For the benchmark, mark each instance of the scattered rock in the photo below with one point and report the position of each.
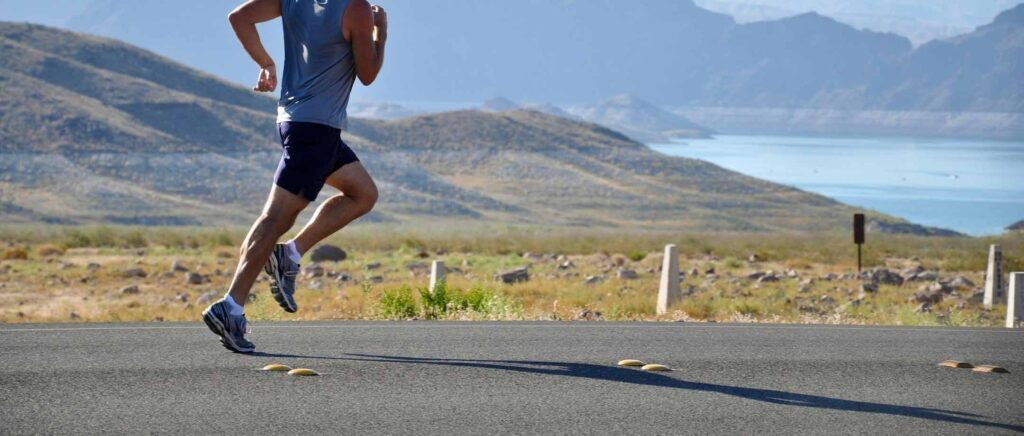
(181, 297)
(628, 274)
(753, 258)
(195, 278)
(939, 287)
(710, 271)
(92, 266)
(130, 290)
(827, 299)
(923, 308)
(533, 256)
(344, 278)
(567, 265)
(807, 282)
(314, 285)
(415, 267)
(792, 274)
(828, 277)
(177, 266)
(158, 319)
(514, 276)
(66, 265)
(423, 255)
(375, 280)
(168, 274)
(593, 280)
(961, 282)
(587, 315)
(869, 287)
(976, 297)
(372, 266)
(769, 277)
(313, 270)
(134, 273)
(694, 272)
(883, 276)
(927, 296)
(756, 275)
(74, 316)
(327, 253)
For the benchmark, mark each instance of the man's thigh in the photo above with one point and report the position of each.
(353, 180)
(283, 204)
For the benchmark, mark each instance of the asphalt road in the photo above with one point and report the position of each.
(522, 378)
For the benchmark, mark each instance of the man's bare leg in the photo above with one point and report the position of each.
(278, 216)
(359, 195)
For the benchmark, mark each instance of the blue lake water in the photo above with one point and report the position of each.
(971, 186)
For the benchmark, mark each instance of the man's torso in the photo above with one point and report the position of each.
(319, 70)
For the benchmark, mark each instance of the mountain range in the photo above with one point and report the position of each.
(94, 130)
(674, 54)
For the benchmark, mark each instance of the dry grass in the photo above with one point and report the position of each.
(40, 284)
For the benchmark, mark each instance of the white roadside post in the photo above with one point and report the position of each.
(994, 277)
(1015, 300)
(668, 292)
(436, 274)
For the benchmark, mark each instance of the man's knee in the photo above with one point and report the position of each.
(277, 221)
(367, 199)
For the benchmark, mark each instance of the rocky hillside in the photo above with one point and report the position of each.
(640, 120)
(93, 130)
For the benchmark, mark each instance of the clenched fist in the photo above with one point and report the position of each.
(268, 79)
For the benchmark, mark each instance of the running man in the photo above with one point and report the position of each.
(328, 44)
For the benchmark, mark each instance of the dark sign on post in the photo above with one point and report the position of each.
(858, 235)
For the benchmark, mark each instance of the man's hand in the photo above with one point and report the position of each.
(380, 21)
(268, 79)
(243, 21)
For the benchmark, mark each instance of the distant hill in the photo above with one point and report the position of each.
(680, 55)
(379, 110)
(640, 120)
(1016, 227)
(93, 130)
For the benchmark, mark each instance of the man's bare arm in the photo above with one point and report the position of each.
(360, 22)
(243, 20)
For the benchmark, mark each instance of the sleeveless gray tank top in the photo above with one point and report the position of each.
(319, 66)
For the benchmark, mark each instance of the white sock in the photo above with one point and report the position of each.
(293, 251)
(235, 308)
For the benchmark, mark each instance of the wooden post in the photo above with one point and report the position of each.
(994, 277)
(858, 236)
(1015, 300)
(437, 271)
(668, 292)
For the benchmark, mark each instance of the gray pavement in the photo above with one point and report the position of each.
(520, 378)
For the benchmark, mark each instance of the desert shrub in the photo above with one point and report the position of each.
(747, 308)
(47, 250)
(636, 255)
(732, 263)
(435, 304)
(397, 303)
(15, 253)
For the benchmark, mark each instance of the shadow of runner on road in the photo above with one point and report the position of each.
(632, 376)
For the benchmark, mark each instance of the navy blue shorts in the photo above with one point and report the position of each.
(311, 153)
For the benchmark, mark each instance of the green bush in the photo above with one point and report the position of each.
(636, 256)
(398, 303)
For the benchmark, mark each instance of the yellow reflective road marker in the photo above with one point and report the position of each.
(630, 362)
(277, 367)
(990, 368)
(956, 364)
(655, 367)
(303, 371)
